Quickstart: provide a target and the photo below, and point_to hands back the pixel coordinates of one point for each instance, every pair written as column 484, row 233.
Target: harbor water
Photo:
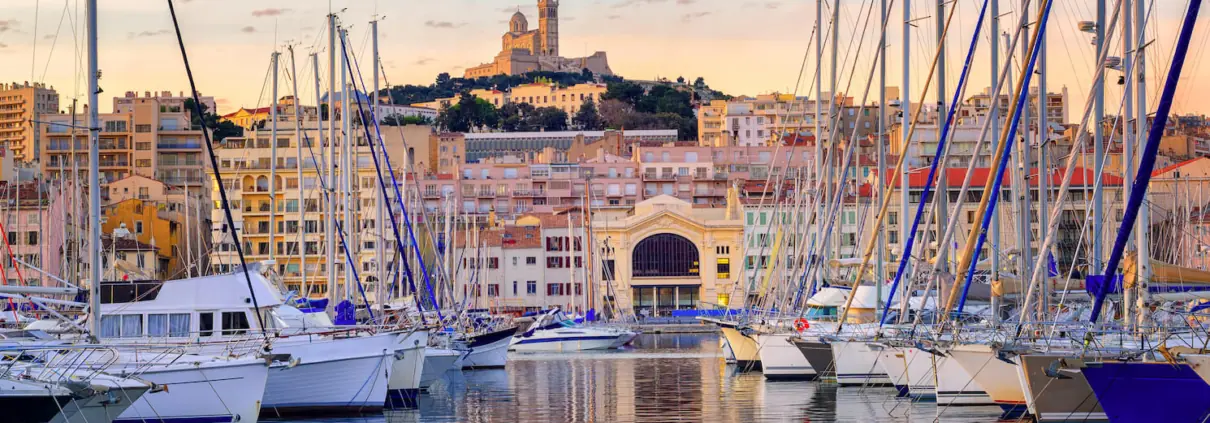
column 662, row 378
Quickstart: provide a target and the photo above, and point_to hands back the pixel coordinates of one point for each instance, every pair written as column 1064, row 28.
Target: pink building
column 36, row 219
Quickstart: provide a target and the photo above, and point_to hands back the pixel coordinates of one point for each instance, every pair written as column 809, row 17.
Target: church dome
column 518, row 23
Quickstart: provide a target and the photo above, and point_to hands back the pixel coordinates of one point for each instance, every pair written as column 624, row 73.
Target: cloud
column 9, row 25
column 2, row 45
column 685, row 2
column 269, row 12
column 145, row 34
column 692, row 16
column 48, row 37
column 443, row 24
column 628, row 3
column 567, row 18
column 772, row 5
column 247, row 29
column 423, row 61
column 613, row 17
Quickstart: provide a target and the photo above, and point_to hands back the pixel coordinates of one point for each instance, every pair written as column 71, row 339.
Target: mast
column 319, row 174
column 1021, row 176
column 1043, row 137
column 942, row 193
column 834, row 117
column 346, row 168
column 817, row 235
column 94, row 177
column 880, row 231
column 1098, row 145
column 1127, row 132
column 905, row 111
column 380, row 235
column 302, row 207
column 993, row 115
column 1144, row 224
column 329, row 225
column 273, row 160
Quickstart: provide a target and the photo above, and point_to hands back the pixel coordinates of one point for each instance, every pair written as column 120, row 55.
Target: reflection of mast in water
column 823, row 403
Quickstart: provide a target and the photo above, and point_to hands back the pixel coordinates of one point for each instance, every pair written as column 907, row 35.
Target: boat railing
column 56, row 363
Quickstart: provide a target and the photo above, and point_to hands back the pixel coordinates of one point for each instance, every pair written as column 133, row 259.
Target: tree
column 680, row 80
column 469, row 113
column 587, row 117
column 400, row 120
column 443, row 78
column 699, row 82
column 512, row 117
column 548, row 119
column 626, row 92
column 219, row 130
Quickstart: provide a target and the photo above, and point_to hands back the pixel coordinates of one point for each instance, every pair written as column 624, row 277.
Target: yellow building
column 567, row 99
column 665, row 254
column 247, row 118
column 149, row 223
column 21, row 105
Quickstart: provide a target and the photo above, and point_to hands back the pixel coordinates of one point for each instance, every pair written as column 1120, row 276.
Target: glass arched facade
column 665, row 255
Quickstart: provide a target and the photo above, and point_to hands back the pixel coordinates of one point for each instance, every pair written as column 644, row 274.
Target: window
column 531, row 287
column 530, row 261
column 138, row 227
column 157, row 325
column 514, row 288
column 724, row 268
column 141, row 128
column 122, row 326
column 553, row 289
column 235, row 323
column 493, row 290
column 32, row 238
column 665, row 255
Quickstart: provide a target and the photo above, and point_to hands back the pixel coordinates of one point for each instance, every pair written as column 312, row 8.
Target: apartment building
column 531, row 263
column 537, row 94
column 770, row 118
column 22, row 106
column 291, row 229
column 531, row 145
column 151, row 140
column 167, row 102
column 173, row 219
column 39, row 229
column 250, row 119
column 980, row 105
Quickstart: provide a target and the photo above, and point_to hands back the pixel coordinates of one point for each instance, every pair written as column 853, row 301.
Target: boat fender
column 801, row 325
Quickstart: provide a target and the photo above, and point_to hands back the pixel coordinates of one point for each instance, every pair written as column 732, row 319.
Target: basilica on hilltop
column 525, row 50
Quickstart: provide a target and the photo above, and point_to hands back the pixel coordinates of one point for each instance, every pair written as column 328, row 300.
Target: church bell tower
column 548, row 26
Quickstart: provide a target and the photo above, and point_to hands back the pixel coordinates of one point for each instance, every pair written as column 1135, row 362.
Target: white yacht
column 553, row 332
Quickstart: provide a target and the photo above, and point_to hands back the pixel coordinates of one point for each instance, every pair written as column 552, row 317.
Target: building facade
column 524, row 50
column 22, row 106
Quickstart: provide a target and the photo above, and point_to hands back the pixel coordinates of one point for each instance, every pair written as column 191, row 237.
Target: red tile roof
column 955, row 176
column 1172, row 167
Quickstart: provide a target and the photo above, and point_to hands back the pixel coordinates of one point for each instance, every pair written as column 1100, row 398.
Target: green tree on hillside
column 587, row 117
column 220, row 130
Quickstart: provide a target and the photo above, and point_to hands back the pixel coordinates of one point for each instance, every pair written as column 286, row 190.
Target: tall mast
column 319, row 174
column 1098, row 145
column 298, row 139
column 994, row 115
column 1043, row 137
column 380, row 235
column 817, row 235
column 273, row 160
column 1020, row 188
column 330, row 223
column 346, row 166
column 880, row 231
column 905, row 111
column 1144, row 224
column 833, row 116
column 94, row 177
column 942, row 196
column 1127, row 132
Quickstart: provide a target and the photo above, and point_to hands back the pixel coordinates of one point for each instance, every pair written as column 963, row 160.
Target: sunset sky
column 738, row 46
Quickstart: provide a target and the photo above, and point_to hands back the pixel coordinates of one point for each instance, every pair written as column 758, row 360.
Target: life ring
column 801, row 325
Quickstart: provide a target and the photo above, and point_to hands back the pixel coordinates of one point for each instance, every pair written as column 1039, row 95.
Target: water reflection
column 663, row 378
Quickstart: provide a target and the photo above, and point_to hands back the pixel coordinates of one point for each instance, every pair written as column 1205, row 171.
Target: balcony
column 179, row 145
column 650, row 176
column 432, row 194
column 114, row 163
column 529, row 193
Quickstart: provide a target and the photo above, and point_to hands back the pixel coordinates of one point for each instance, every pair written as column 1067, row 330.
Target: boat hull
column 781, row 360
column 747, row 353
column 213, row 392
column 1067, row 398
column 25, row 402
column 1200, row 364
column 857, row 364
column 892, row 362
column 436, row 362
column 819, row 355
column 489, row 350
column 407, row 372
column 1149, row 392
column 354, row 375
column 955, row 386
column 921, row 376
column 102, row 407
column 568, row 340
column 994, row 376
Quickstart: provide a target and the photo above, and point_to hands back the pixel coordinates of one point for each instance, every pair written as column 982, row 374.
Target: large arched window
column 665, row 255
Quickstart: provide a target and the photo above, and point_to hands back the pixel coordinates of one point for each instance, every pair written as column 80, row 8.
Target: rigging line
column 58, row 29
column 33, row 60
column 197, row 106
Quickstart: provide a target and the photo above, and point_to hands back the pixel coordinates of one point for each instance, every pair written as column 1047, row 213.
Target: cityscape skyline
column 646, row 39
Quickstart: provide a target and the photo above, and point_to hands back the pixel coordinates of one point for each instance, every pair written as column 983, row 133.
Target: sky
column 738, row 46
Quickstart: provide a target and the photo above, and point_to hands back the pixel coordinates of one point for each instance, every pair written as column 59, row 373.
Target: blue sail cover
column 346, row 313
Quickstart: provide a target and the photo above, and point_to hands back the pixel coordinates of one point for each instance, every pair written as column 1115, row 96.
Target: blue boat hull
column 1149, row 392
